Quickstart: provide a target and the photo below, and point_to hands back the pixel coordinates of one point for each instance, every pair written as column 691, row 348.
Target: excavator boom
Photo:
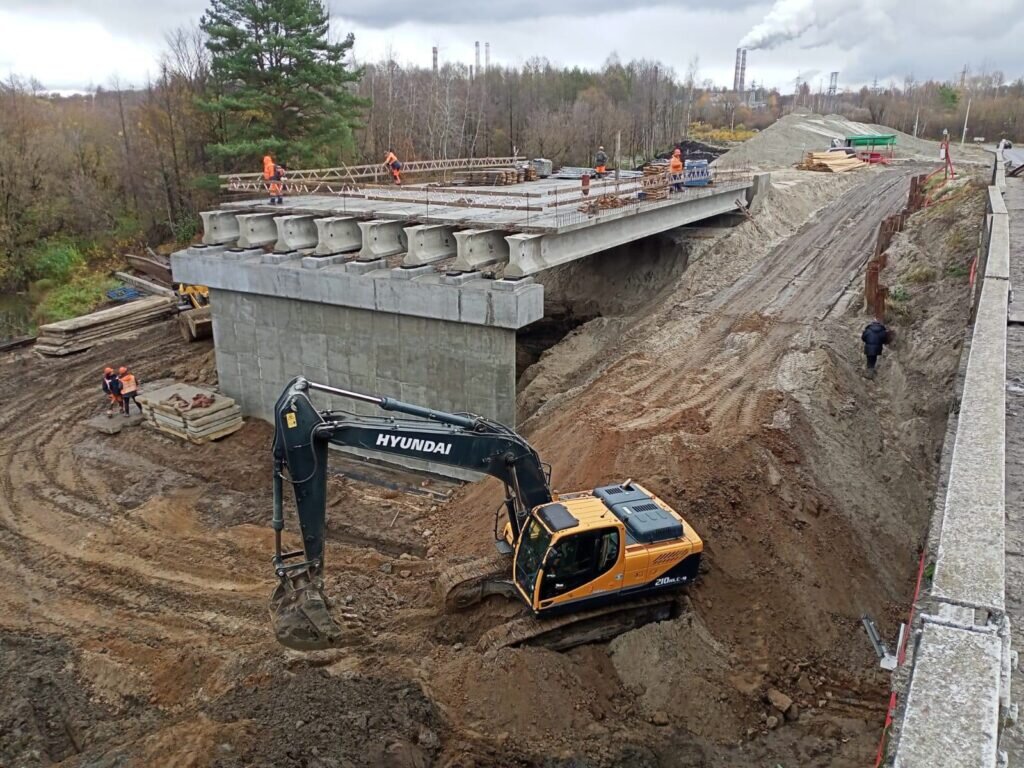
column 301, row 440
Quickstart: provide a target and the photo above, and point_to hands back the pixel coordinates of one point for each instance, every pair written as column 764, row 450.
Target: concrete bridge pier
column 295, row 233
column 429, row 243
column 219, row 227
column 381, row 238
column 479, row 248
column 256, row 230
column 337, row 234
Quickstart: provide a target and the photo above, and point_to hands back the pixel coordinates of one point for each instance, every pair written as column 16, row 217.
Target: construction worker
column 600, row 163
column 129, row 390
column 392, row 164
column 112, row 389
column 272, row 172
column 675, row 169
column 875, row 336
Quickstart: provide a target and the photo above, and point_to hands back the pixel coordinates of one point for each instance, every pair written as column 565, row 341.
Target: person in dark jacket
column 875, row 336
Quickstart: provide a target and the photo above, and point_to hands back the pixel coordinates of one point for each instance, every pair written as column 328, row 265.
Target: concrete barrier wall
column 954, row 690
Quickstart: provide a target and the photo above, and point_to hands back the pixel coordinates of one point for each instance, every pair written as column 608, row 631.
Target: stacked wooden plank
column 81, row 333
column 831, row 162
column 493, row 177
column 654, row 186
column 655, row 168
column 192, row 413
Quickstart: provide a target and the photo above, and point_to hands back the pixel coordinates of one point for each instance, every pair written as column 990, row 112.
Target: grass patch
column 898, row 293
column 921, row 274
column 79, row 296
column 957, row 270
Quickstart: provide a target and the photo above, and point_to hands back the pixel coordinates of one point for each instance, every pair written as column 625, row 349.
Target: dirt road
column 134, row 632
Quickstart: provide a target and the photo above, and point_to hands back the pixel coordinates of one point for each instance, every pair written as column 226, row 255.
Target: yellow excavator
column 194, row 319
column 588, row 565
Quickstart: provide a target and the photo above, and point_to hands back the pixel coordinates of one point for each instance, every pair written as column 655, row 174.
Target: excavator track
column 564, row 632
column 463, row 585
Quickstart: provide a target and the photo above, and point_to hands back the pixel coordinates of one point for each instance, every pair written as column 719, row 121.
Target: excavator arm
column 302, row 437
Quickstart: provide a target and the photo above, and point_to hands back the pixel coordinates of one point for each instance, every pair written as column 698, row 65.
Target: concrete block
column 998, row 264
column 996, row 204
column 951, row 717
column 280, row 258
column 421, row 297
column 381, row 238
column 256, row 230
column 970, row 565
column 337, row 234
column 428, row 243
column 219, row 227
column 335, row 286
column 509, row 284
column 477, row 248
column 757, row 193
column 459, row 278
column 295, row 232
column 363, row 267
column 475, row 305
column 206, row 250
column 320, row 262
column 238, row 254
column 408, row 273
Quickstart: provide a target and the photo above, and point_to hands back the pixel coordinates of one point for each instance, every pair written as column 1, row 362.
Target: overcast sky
column 73, row 44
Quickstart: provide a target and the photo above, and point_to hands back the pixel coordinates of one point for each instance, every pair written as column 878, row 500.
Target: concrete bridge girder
column 429, row 243
column 478, row 248
column 337, row 234
column 532, row 253
column 295, row 233
column 219, row 227
column 382, row 238
column 256, row 230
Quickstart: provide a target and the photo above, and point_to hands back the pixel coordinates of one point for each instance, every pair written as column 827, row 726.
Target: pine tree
column 280, row 84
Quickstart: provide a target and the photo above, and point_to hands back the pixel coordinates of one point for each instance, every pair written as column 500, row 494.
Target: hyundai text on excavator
column 589, row 565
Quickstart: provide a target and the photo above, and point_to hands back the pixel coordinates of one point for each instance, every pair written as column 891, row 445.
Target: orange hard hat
column 108, row 370
column 122, row 369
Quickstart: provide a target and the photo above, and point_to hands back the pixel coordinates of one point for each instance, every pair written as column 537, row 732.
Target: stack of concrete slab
column 192, row 413
column 81, row 333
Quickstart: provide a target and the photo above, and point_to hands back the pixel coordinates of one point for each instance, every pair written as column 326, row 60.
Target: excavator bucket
column 300, row 617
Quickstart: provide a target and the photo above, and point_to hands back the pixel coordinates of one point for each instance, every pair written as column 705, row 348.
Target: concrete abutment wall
column 263, row 342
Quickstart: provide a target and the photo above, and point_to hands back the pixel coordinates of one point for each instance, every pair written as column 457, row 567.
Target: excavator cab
column 597, row 546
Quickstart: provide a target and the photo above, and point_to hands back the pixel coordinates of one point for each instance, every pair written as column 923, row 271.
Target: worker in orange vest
column 129, row 390
column 272, row 172
column 112, row 389
column 675, row 169
column 601, row 163
column 392, row 164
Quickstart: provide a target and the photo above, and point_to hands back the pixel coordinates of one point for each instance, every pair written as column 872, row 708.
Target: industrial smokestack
column 743, row 70
column 435, row 59
column 736, row 71
column 477, row 44
column 487, row 57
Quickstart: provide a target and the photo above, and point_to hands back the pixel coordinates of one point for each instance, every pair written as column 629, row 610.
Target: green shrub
column 55, row 260
column 79, row 297
column 185, row 229
column 898, row 293
column 957, row 270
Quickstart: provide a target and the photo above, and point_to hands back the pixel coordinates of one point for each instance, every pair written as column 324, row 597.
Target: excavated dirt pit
column 724, row 375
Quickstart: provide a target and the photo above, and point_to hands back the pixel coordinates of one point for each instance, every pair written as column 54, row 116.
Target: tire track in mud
column 798, row 282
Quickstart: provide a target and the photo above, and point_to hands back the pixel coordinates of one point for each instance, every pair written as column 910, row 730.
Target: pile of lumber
column 81, row 333
column 831, row 162
column 655, row 168
column 603, row 203
column 192, row 413
column 529, row 173
column 655, row 186
column 493, row 177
